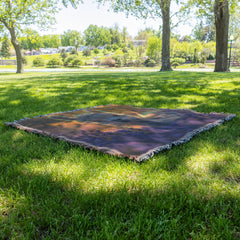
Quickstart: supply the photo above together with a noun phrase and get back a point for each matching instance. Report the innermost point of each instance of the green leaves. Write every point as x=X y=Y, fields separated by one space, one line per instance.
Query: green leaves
x=16 y=15
x=5 y=49
x=21 y=13
x=74 y=3
x=71 y=38
x=97 y=36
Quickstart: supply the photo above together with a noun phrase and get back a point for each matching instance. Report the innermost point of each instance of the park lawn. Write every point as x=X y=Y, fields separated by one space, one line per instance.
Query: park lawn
x=8 y=67
x=53 y=190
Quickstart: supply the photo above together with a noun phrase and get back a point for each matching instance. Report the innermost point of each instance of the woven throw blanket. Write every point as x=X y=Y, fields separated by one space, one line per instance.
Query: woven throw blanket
x=123 y=130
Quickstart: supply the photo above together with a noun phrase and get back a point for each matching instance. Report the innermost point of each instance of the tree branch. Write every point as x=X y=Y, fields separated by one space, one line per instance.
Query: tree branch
x=5 y=23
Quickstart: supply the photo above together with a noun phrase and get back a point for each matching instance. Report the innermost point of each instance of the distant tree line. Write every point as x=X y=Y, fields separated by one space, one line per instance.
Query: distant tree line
x=17 y=15
x=196 y=48
x=93 y=36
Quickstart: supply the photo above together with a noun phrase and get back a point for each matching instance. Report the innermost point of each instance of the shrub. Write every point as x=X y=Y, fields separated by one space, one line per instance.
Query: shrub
x=54 y=62
x=180 y=54
x=24 y=60
x=178 y=60
x=74 y=51
x=236 y=54
x=68 y=60
x=118 y=52
x=96 y=50
x=131 y=46
x=125 y=50
x=195 y=56
x=76 y=62
x=126 y=59
x=109 y=61
x=122 y=45
x=86 y=52
x=119 y=60
x=109 y=48
x=211 y=57
x=73 y=61
x=38 y=62
x=195 y=59
x=130 y=63
x=63 y=54
x=97 y=62
x=154 y=48
x=105 y=52
x=138 y=62
x=203 y=59
x=115 y=46
x=175 y=64
x=150 y=62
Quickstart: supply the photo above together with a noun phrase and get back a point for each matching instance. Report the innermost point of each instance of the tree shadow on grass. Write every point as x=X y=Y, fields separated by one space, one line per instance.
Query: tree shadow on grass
x=43 y=206
x=6 y=74
x=80 y=89
x=106 y=197
x=39 y=95
x=62 y=93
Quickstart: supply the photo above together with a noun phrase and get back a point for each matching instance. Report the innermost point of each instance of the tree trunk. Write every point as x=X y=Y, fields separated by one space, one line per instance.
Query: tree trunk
x=17 y=48
x=221 y=12
x=165 y=8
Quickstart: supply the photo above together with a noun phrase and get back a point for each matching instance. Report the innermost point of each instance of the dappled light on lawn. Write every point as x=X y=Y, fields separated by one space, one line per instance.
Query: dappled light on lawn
x=51 y=189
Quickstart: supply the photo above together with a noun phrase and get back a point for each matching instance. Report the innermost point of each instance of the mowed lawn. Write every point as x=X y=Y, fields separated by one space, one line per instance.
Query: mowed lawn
x=52 y=190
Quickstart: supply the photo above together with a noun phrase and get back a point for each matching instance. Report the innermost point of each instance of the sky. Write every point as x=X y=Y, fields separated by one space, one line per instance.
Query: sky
x=88 y=13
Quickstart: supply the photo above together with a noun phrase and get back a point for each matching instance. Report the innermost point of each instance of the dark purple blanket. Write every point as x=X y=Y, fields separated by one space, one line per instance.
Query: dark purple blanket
x=137 y=133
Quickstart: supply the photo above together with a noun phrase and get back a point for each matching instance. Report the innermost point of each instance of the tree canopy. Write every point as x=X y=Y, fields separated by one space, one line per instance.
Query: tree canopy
x=97 y=36
x=220 y=10
x=22 y=13
x=234 y=25
x=5 y=49
x=71 y=38
x=145 y=9
x=17 y=15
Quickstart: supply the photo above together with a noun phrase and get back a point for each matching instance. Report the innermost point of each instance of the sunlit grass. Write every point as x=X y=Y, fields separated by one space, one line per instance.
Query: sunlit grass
x=53 y=190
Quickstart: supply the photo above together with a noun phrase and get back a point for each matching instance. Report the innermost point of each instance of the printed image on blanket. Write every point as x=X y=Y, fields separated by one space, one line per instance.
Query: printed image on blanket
x=123 y=130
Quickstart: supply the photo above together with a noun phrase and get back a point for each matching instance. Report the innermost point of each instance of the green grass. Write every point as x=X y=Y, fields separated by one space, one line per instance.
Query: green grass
x=196 y=65
x=8 y=67
x=53 y=190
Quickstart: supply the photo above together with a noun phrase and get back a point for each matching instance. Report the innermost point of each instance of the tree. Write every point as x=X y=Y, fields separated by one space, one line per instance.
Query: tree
x=234 y=25
x=31 y=41
x=124 y=35
x=46 y=41
x=144 y=35
x=51 y=41
x=144 y=9
x=165 y=9
x=97 y=36
x=205 y=32
x=63 y=54
x=154 y=48
x=15 y=15
x=186 y=38
x=72 y=38
x=5 y=50
x=115 y=35
x=221 y=10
